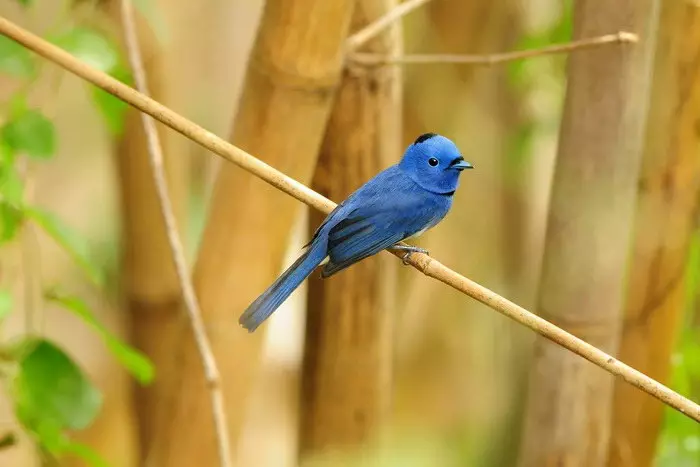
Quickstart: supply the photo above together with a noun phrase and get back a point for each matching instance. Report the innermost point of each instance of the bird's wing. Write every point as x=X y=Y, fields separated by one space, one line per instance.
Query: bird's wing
x=355 y=238
x=370 y=228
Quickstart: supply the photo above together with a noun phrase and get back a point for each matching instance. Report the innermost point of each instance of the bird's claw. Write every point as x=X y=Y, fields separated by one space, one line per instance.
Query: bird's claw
x=410 y=250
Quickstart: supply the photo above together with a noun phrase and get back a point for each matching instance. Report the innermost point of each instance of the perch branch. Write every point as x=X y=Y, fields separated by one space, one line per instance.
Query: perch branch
x=155 y=153
x=427 y=265
x=371 y=31
x=369 y=59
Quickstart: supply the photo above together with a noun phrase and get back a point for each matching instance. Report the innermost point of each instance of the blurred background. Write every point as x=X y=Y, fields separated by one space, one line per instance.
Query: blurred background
x=582 y=208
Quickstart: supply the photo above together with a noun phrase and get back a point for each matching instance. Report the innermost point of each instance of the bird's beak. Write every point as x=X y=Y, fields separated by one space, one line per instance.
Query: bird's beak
x=461 y=165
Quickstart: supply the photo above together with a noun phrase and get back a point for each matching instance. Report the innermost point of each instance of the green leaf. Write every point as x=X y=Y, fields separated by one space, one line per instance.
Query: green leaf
x=54 y=441
x=11 y=185
x=24 y=2
x=5 y=303
x=112 y=108
x=90 y=47
x=30 y=132
x=71 y=242
x=7 y=156
x=101 y=53
x=52 y=393
x=15 y=60
x=133 y=360
x=10 y=220
x=86 y=453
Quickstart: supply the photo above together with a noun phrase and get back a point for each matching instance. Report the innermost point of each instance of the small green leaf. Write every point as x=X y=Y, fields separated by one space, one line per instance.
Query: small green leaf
x=133 y=360
x=15 y=60
x=71 y=242
x=53 y=439
x=5 y=303
x=112 y=108
x=51 y=391
x=24 y=2
x=89 y=46
x=11 y=185
x=7 y=156
x=30 y=132
x=10 y=220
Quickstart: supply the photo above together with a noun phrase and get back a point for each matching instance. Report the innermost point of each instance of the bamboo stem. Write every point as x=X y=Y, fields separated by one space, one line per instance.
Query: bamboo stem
x=155 y=153
x=588 y=235
x=349 y=319
x=665 y=221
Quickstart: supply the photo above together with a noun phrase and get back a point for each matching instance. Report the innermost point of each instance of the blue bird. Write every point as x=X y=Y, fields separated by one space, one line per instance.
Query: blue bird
x=400 y=202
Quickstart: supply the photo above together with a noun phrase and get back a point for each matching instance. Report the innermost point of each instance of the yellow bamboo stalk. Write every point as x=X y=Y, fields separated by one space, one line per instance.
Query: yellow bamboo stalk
x=666 y=219
x=346 y=382
x=588 y=234
x=151 y=290
x=291 y=78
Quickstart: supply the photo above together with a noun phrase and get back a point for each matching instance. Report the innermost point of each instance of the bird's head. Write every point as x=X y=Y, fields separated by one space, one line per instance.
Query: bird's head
x=434 y=163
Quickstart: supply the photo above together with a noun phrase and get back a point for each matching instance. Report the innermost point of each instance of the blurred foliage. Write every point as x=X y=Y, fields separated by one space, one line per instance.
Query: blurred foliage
x=113 y=109
x=52 y=395
x=5 y=303
x=679 y=443
x=101 y=53
x=72 y=243
x=15 y=60
x=29 y=132
x=90 y=47
x=134 y=361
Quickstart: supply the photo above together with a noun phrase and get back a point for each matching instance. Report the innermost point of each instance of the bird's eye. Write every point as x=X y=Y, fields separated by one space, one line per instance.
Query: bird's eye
x=433 y=162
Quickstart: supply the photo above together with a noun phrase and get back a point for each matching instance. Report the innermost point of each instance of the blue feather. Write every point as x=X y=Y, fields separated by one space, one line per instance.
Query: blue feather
x=282 y=288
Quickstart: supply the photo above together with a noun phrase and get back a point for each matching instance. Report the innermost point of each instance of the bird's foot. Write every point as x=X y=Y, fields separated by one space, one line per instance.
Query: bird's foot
x=409 y=250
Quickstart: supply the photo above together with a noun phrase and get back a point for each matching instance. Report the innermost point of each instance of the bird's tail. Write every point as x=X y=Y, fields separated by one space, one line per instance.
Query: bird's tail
x=272 y=298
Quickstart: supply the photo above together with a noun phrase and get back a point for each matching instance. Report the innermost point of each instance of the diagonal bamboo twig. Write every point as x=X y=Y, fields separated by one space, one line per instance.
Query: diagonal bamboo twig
x=424 y=263
x=155 y=153
x=369 y=59
x=366 y=34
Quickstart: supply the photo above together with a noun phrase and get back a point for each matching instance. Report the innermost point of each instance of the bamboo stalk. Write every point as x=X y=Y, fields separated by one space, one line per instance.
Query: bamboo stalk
x=588 y=233
x=669 y=192
x=430 y=267
x=167 y=211
x=346 y=382
x=150 y=284
x=290 y=83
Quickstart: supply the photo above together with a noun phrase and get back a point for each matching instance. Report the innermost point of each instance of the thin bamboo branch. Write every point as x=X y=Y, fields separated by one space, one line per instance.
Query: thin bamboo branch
x=427 y=265
x=155 y=153
x=366 y=34
x=369 y=59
